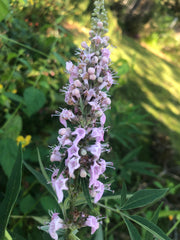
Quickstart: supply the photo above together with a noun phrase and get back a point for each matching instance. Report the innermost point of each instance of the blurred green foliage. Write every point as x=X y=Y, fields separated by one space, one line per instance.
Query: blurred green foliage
x=35 y=43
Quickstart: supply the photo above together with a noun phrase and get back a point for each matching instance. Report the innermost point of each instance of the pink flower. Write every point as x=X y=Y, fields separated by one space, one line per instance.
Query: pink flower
x=55 y=224
x=92 y=222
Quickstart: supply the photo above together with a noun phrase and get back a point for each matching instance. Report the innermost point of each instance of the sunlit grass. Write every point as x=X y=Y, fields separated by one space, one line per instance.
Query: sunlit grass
x=153 y=82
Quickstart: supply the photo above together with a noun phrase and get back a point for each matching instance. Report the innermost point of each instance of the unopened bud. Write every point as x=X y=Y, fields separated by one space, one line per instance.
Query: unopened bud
x=77 y=83
x=97 y=53
x=95 y=59
x=76 y=93
x=100 y=24
x=99 y=113
x=105 y=60
x=62 y=131
x=83 y=173
x=92 y=193
x=91 y=70
x=92 y=77
x=83 y=152
x=80 y=71
x=84 y=45
x=100 y=79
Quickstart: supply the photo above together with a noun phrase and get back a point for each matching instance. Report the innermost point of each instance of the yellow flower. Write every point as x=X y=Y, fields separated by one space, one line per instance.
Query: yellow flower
x=1 y=86
x=171 y=217
x=24 y=141
x=14 y=91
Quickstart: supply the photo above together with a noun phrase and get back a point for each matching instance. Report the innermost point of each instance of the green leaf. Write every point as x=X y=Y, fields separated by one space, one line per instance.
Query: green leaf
x=149 y=236
x=59 y=58
x=149 y=226
x=12 y=191
x=99 y=234
x=4 y=9
x=42 y=166
x=123 y=194
x=131 y=155
x=8 y=150
x=144 y=197
x=34 y=100
x=27 y=204
x=49 y=202
x=14 y=97
x=41 y=179
x=13 y=128
x=86 y=191
x=133 y=232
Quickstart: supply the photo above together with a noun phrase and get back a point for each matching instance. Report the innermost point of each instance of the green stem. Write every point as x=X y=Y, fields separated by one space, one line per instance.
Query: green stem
x=112 y=209
x=173 y=227
x=7 y=235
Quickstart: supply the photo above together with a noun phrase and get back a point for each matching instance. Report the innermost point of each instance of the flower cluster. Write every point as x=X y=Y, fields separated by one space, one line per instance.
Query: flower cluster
x=80 y=141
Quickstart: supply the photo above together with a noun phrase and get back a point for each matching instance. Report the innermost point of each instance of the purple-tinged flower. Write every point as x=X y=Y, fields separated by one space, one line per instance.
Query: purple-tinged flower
x=95 y=172
x=105 y=52
x=66 y=115
x=95 y=150
x=73 y=164
x=98 y=188
x=103 y=119
x=92 y=222
x=72 y=70
x=98 y=134
x=55 y=224
x=89 y=94
x=84 y=45
x=59 y=185
x=81 y=133
x=72 y=152
x=55 y=156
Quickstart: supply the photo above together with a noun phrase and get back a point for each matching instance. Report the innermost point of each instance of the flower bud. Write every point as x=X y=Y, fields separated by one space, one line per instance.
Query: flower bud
x=92 y=193
x=62 y=131
x=105 y=60
x=76 y=92
x=83 y=152
x=80 y=71
x=91 y=70
x=99 y=113
x=100 y=79
x=84 y=45
x=95 y=59
x=77 y=83
x=92 y=77
x=100 y=24
x=97 y=53
x=83 y=173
